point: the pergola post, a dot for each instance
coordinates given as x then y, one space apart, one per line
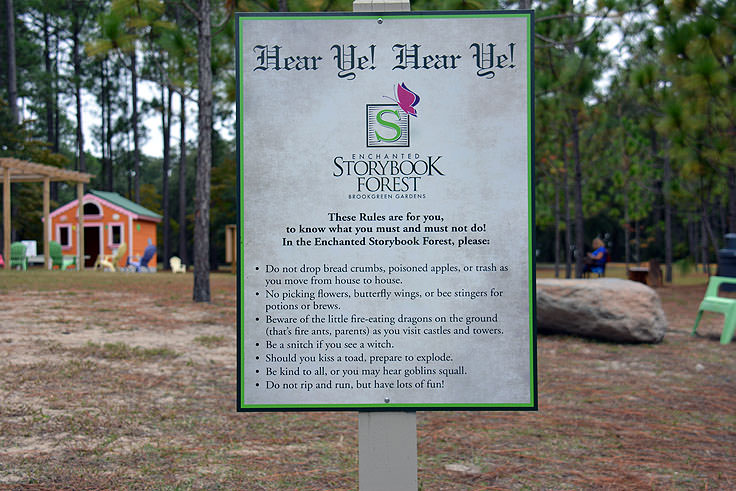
6 217
80 227
46 222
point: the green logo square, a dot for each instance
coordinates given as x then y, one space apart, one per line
386 126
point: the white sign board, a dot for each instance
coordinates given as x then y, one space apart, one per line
386 211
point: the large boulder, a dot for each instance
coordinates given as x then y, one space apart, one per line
606 308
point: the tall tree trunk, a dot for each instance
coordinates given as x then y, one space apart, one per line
136 142
667 176
627 168
12 69
182 249
166 126
731 200
49 95
54 194
109 173
201 290
103 123
627 227
183 181
128 162
56 145
658 205
709 235
568 218
637 242
579 225
77 62
692 240
12 88
704 240
557 227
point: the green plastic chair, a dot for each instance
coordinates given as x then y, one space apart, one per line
58 259
18 256
713 303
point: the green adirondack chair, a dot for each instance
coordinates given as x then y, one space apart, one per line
58 259
18 256
713 303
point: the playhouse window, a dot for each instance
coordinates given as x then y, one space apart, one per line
64 237
91 209
116 235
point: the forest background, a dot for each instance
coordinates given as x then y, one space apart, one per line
635 123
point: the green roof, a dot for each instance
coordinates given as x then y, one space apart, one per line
125 203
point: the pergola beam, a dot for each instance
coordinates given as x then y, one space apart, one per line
24 171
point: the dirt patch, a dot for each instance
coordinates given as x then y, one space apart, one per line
114 381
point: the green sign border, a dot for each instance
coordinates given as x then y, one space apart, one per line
241 18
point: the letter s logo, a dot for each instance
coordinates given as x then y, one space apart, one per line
388 124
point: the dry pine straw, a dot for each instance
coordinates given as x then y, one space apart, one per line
129 385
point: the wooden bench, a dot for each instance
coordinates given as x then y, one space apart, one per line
713 303
649 275
639 274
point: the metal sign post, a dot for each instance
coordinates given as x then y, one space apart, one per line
387 441
387 451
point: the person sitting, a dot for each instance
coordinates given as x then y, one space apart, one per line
596 261
148 254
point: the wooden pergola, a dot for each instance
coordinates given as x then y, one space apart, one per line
15 170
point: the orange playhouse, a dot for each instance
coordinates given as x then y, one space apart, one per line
110 220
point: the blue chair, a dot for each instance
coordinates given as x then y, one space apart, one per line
148 254
600 267
597 266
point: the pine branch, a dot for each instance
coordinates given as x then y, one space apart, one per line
191 10
219 28
568 43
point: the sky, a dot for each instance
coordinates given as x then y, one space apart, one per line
152 145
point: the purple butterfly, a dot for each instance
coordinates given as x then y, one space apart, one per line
406 99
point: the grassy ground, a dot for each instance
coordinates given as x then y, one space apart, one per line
119 381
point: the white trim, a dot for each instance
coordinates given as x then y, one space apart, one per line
130 236
70 241
110 241
103 202
99 213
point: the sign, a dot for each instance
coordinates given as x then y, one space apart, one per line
386 211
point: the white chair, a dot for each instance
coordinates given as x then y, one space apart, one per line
176 265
